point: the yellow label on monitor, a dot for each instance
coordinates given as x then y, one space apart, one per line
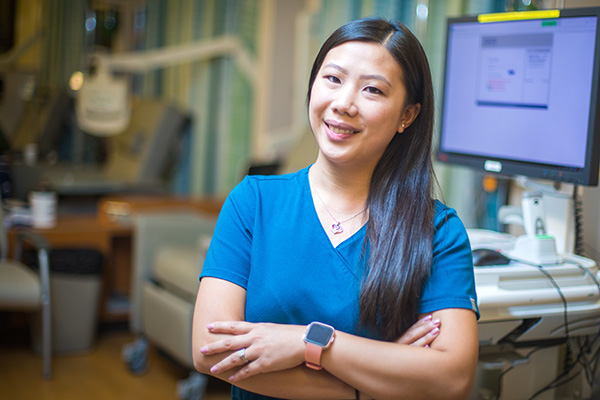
518 15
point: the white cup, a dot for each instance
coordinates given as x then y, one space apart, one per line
43 209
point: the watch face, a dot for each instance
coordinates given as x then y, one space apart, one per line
319 334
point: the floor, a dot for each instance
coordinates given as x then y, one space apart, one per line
98 373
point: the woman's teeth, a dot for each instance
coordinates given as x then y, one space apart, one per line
341 131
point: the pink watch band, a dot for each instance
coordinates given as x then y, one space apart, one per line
312 355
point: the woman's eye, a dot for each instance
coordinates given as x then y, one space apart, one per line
373 90
332 79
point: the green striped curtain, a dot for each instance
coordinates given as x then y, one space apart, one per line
64 41
215 92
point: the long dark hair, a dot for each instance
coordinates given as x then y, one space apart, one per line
401 209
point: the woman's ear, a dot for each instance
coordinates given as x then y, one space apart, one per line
410 114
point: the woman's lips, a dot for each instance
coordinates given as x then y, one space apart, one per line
340 131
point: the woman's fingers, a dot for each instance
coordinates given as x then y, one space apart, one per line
422 333
230 327
238 358
238 338
245 372
228 344
234 342
426 340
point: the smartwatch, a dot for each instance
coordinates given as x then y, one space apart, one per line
318 337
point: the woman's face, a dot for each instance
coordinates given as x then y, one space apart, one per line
358 103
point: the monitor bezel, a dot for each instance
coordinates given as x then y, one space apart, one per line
586 176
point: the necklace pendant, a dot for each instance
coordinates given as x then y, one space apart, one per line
336 228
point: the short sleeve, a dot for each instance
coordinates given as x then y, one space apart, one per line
452 281
228 255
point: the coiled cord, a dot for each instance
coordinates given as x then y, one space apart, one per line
578 219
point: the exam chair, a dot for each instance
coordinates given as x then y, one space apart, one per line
21 288
168 253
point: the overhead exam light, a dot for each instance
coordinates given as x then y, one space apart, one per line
102 104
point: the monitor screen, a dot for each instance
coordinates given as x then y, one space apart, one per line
521 96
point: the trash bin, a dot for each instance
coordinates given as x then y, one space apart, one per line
75 284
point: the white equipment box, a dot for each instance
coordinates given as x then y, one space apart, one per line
527 307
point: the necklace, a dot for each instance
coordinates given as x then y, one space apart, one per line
337 227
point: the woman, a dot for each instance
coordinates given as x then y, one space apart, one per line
355 242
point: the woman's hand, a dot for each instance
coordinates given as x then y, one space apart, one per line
267 347
422 333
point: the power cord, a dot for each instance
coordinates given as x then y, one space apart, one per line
589 365
568 368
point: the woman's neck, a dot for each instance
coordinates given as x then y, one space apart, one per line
340 199
344 188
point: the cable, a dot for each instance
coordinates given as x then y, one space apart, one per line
578 218
554 384
588 352
591 364
556 286
595 360
501 376
568 368
588 365
557 382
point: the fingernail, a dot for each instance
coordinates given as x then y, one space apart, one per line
203 349
435 331
231 378
427 318
214 369
436 321
210 327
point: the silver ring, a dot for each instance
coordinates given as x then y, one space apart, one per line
242 354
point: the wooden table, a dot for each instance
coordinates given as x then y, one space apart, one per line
110 231
87 231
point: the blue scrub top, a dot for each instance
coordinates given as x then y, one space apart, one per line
270 241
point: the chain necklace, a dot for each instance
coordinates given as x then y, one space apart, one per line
336 228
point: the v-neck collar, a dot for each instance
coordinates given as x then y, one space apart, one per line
358 235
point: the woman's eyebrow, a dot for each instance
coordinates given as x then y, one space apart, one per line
335 66
363 77
377 77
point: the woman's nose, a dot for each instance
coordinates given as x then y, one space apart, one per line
345 102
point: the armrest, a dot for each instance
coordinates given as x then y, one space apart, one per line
153 231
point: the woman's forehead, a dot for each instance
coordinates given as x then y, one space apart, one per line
364 58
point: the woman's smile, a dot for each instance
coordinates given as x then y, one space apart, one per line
340 131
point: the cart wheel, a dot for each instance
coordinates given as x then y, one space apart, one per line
136 356
193 387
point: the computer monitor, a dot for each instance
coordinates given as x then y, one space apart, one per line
521 96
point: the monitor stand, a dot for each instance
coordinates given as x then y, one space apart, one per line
558 210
